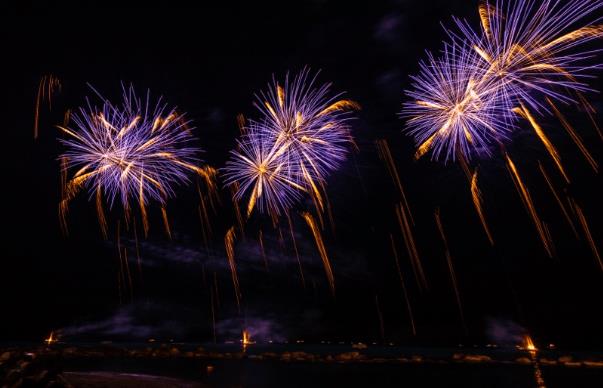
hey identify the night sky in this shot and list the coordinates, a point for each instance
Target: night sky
(209, 61)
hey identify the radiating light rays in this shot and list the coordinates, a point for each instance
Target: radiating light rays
(525, 53)
(135, 151)
(456, 107)
(321, 249)
(309, 120)
(132, 151)
(302, 136)
(259, 170)
(536, 48)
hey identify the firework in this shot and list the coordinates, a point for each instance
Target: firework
(301, 137)
(310, 124)
(133, 151)
(258, 166)
(524, 50)
(456, 107)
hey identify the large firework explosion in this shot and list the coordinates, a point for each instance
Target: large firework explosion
(523, 58)
(302, 136)
(134, 151)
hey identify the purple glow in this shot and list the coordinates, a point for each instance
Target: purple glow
(302, 136)
(525, 53)
(136, 150)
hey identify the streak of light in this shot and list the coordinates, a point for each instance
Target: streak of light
(301, 270)
(213, 314)
(102, 220)
(321, 249)
(138, 262)
(409, 241)
(524, 112)
(590, 110)
(403, 284)
(48, 86)
(166, 223)
(262, 251)
(451, 268)
(386, 156)
(589, 237)
(558, 199)
(229, 244)
(575, 137)
(476, 195)
(529, 204)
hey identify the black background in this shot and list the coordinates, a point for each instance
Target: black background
(209, 61)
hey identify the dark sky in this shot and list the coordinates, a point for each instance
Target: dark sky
(209, 61)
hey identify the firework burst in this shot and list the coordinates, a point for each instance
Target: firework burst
(132, 151)
(525, 50)
(456, 106)
(301, 137)
(259, 167)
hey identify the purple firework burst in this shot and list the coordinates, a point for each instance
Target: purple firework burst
(524, 51)
(302, 136)
(134, 150)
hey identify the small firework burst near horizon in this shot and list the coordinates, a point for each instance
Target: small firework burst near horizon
(525, 55)
(136, 150)
(302, 136)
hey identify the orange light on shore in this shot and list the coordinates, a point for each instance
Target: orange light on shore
(529, 344)
(246, 339)
(51, 339)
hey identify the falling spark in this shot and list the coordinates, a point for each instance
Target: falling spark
(527, 201)
(523, 111)
(409, 240)
(589, 237)
(166, 223)
(213, 314)
(102, 220)
(229, 243)
(450, 268)
(301, 270)
(523, 50)
(403, 284)
(557, 198)
(262, 251)
(476, 195)
(48, 86)
(321, 249)
(386, 156)
(570, 130)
